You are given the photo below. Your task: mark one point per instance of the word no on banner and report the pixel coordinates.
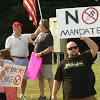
(76, 22)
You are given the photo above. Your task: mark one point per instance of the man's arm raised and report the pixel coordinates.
(91, 44)
(36, 33)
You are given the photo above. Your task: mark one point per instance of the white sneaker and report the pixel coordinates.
(22, 96)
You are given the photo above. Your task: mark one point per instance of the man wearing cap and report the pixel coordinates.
(17, 43)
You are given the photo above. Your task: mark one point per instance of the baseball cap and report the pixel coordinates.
(16, 24)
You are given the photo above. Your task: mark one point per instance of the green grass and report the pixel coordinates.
(32, 90)
(96, 69)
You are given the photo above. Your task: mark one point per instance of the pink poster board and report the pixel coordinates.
(33, 67)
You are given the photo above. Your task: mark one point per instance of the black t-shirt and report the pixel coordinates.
(77, 76)
(43, 42)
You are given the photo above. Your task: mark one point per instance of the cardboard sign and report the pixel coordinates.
(13, 75)
(33, 67)
(76, 22)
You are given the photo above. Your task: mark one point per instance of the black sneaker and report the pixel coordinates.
(41, 98)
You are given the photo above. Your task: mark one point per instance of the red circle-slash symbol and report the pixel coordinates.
(17, 80)
(90, 15)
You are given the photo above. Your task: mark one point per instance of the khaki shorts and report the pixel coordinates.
(45, 71)
(87, 98)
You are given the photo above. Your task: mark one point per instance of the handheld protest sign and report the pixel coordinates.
(13, 75)
(33, 67)
(76, 22)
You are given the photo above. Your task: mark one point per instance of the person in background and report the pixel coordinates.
(17, 43)
(75, 73)
(5, 58)
(43, 48)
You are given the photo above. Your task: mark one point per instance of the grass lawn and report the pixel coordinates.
(32, 90)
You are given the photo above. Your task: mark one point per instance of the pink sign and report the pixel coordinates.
(33, 67)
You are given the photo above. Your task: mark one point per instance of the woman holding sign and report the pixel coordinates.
(6, 92)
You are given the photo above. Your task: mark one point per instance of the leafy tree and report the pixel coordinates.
(13, 10)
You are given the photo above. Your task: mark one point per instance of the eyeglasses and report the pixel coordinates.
(71, 48)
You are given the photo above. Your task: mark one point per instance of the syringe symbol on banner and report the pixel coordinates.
(90, 15)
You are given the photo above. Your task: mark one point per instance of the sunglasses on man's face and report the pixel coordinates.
(71, 48)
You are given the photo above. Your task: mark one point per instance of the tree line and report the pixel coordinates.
(13, 10)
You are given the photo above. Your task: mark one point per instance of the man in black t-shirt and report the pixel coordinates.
(43, 47)
(76, 73)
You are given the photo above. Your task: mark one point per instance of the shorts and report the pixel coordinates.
(45, 71)
(22, 62)
(86, 98)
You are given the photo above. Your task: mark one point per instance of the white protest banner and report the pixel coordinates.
(13, 75)
(76, 22)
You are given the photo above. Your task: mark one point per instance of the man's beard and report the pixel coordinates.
(74, 55)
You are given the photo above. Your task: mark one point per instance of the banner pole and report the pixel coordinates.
(39, 9)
